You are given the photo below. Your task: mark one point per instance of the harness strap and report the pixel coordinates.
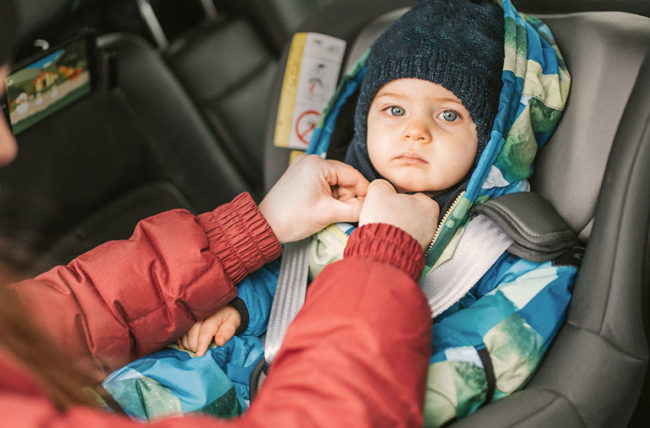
(481, 245)
(289, 294)
(443, 286)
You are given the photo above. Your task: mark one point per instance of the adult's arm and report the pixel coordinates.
(358, 351)
(356, 354)
(125, 299)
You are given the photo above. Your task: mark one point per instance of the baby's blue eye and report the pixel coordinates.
(449, 115)
(396, 111)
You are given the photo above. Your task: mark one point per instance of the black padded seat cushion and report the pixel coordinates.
(227, 69)
(189, 154)
(114, 221)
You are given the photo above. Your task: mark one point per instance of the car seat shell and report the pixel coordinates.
(595, 171)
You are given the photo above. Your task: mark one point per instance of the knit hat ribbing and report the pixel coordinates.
(455, 43)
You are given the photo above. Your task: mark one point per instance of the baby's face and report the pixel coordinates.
(420, 136)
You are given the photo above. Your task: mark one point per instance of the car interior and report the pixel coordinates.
(183, 115)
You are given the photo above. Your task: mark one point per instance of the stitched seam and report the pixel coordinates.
(558, 396)
(606, 340)
(626, 197)
(507, 216)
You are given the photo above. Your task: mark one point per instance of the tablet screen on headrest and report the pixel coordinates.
(48, 82)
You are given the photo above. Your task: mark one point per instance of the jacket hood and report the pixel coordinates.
(535, 87)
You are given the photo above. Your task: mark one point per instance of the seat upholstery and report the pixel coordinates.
(595, 171)
(189, 155)
(231, 89)
(601, 55)
(640, 7)
(139, 129)
(191, 117)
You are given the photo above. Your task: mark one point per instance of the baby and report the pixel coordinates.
(421, 138)
(423, 116)
(425, 112)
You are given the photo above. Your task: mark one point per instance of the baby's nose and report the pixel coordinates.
(417, 130)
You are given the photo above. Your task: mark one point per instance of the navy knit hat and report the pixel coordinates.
(455, 43)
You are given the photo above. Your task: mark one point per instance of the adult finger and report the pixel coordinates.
(344, 194)
(335, 211)
(346, 176)
(428, 202)
(381, 185)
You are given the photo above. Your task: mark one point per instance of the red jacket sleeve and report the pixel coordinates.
(356, 354)
(129, 298)
(358, 351)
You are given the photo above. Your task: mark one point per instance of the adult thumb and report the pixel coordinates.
(344, 211)
(382, 186)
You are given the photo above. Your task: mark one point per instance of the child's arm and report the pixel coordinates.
(129, 298)
(493, 346)
(247, 314)
(255, 294)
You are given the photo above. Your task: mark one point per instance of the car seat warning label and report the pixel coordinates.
(310, 79)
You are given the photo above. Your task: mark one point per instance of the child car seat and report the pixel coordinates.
(595, 171)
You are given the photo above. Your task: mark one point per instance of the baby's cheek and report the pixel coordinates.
(407, 181)
(385, 169)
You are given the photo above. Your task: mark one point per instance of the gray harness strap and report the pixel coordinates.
(289, 294)
(482, 243)
(522, 223)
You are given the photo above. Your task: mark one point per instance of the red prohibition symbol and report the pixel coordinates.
(305, 125)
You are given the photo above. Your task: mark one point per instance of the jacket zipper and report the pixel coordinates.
(444, 218)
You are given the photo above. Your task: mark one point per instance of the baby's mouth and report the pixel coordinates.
(410, 158)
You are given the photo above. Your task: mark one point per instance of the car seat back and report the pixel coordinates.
(136, 142)
(232, 90)
(595, 171)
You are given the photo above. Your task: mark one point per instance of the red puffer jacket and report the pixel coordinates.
(356, 354)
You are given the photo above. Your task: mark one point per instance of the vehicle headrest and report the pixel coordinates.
(37, 16)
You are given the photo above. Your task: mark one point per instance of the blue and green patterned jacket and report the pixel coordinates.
(512, 314)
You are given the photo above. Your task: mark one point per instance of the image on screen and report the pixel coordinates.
(48, 84)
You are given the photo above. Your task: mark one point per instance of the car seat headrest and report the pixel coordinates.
(36, 16)
(570, 169)
(603, 51)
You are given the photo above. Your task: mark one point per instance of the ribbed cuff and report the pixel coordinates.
(240, 237)
(388, 244)
(240, 306)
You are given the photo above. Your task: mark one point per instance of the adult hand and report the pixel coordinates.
(416, 214)
(312, 194)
